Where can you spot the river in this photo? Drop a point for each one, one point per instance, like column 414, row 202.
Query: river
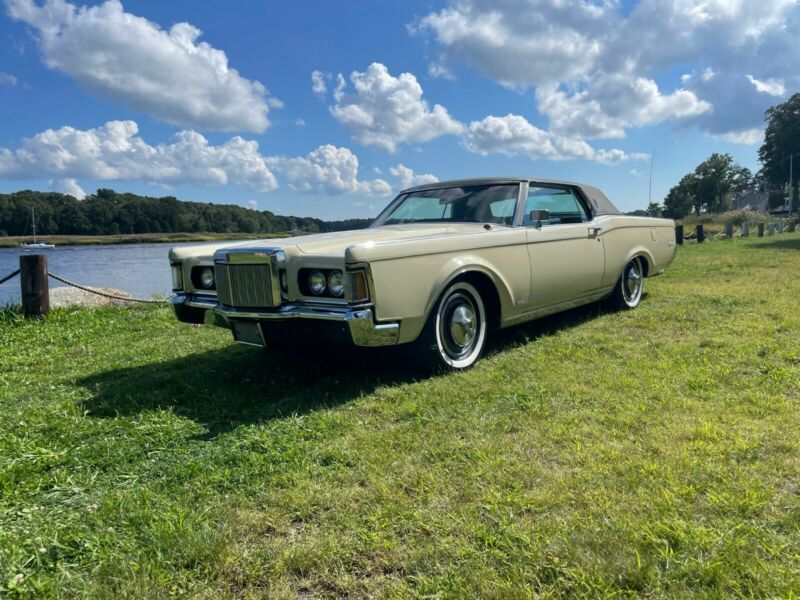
column 141, row 269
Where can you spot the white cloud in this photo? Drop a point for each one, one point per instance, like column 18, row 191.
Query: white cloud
column 116, row 152
column 300, row 122
column 387, row 111
column 68, row 186
column 128, row 59
column 406, row 177
column 773, row 87
column 319, row 82
column 327, row 169
column 607, row 105
column 518, row 42
column 750, row 137
column 8, row 79
column 513, row 134
column 593, row 63
column 252, row 204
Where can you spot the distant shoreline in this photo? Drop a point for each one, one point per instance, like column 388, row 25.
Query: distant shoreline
column 134, row 238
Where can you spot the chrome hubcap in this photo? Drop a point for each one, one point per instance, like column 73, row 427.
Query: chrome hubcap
column 632, row 284
column 458, row 325
column 463, row 325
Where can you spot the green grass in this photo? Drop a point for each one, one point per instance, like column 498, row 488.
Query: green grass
column 134, row 238
column 645, row 453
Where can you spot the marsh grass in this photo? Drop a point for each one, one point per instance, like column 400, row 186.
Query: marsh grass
column 652, row 452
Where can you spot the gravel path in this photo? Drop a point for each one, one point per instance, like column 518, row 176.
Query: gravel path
column 69, row 296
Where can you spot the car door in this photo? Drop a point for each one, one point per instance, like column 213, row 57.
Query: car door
column 565, row 247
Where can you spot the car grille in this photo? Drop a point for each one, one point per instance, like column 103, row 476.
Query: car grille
column 245, row 286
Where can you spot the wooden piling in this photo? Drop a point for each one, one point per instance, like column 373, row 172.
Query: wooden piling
column 679, row 234
column 34, row 285
column 745, row 229
column 729, row 230
column 760, row 230
column 701, row 234
column 791, row 227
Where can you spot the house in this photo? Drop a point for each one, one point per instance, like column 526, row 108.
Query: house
column 751, row 200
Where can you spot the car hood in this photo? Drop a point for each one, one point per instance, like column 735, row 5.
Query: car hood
column 334, row 244
column 337, row 242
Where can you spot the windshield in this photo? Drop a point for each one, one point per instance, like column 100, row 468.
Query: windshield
column 466, row 204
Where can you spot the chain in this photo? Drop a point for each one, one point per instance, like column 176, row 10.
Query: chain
column 104, row 294
column 9, row 276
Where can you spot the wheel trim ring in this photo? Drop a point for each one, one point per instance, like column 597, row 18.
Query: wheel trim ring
column 456, row 309
column 476, row 345
column 632, row 282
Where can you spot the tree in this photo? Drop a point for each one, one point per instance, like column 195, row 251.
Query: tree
column 781, row 142
column 654, row 209
column 716, row 177
column 680, row 200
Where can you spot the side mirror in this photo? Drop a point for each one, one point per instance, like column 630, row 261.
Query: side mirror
column 537, row 216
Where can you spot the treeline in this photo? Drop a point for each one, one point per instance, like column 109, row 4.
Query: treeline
column 107, row 213
column 716, row 181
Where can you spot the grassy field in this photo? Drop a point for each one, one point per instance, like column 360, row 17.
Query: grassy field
column 134, row 238
column 653, row 452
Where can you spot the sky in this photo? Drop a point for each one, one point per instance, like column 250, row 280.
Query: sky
column 328, row 109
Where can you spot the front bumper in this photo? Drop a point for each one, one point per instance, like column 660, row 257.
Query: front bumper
column 356, row 323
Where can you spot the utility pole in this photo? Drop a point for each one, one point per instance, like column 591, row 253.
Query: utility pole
column 791, row 183
column 650, row 190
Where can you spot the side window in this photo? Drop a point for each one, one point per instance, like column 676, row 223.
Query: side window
column 503, row 210
column 562, row 205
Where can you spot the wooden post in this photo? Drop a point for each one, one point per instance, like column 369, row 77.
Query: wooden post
column 780, row 226
column 701, row 235
column 745, row 229
column 760, row 230
column 34, row 284
column 729, row 230
column 791, row 227
column 679, row 234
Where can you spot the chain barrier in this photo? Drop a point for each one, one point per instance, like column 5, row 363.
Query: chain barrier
column 99, row 293
column 9, row 276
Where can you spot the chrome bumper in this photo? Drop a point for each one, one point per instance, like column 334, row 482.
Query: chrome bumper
column 359, row 321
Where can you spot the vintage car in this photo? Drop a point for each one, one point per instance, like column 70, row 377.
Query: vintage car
column 439, row 269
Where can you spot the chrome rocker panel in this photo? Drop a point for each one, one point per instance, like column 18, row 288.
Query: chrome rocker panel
column 360, row 322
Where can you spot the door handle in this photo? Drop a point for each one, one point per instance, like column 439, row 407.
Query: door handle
column 595, row 231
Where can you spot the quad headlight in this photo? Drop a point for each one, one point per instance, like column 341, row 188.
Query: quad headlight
column 207, row 277
column 336, row 283
column 317, row 282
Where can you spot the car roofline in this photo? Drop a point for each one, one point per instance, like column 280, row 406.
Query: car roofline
column 600, row 203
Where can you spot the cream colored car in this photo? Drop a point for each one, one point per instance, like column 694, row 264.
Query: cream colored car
column 441, row 267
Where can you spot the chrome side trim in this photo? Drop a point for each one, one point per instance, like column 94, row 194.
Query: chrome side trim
column 555, row 308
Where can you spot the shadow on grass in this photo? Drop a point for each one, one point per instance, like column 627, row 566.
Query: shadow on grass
column 238, row 385
column 790, row 244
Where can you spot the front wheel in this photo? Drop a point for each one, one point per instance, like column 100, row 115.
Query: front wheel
column 455, row 333
column 628, row 291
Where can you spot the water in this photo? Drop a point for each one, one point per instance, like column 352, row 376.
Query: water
column 141, row 269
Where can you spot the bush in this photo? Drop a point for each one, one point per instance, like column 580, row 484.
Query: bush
column 737, row 217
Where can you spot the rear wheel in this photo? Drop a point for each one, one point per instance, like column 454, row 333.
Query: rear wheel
column 455, row 333
column 628, row 291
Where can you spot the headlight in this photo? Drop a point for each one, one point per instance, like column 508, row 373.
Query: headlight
column 316, row 282
column 207, row 277
column 177, row 277
column 336, row 283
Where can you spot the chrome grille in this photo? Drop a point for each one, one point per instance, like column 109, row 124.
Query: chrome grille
column 245, row 286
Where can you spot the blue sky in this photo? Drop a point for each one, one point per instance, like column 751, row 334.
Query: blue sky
column 215, row 101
